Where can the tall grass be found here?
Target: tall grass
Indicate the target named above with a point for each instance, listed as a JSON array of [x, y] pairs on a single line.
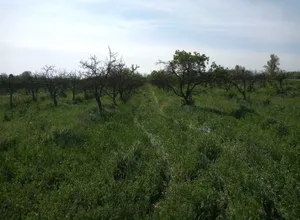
[[151, 158]]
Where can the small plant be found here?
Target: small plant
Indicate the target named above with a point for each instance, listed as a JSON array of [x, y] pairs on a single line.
[[282, 129], [7, 116], [266, 102]]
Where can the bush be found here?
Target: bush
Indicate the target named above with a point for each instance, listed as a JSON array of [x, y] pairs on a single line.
[[242, 111], [77, 100], [269, 122], [231, 95], [266, 102], [43, 98], [8, 115], [6, 144], [282, 129], [125, 163], [63, 95], [66, 138]]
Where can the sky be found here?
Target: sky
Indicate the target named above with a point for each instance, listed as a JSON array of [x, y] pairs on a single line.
[[35, 33]]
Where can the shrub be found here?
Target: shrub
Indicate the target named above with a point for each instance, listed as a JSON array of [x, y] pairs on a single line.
[[66, 138], [282, 129], [269, 122], [266, 102], [63, 95], [77, 100], [7, 116], [125, 163], [242, 111], [6, 144], [231, 95], [43, 124]]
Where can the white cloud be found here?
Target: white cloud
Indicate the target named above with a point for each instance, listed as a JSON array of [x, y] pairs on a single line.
[[53, 32]]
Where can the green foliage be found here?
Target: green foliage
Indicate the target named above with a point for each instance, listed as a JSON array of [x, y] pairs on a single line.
[[182, 74], [6, 144], [151, 158], [67, 138], [242, 111]]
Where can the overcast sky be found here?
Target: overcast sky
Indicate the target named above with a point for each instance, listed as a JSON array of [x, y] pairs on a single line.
[[63, 32]]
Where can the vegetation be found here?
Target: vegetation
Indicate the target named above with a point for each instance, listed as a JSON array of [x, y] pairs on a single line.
[[228, 151]]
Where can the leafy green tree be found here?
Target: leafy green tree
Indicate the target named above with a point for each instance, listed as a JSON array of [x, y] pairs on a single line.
[[280, 77], [221, 76], [160, 79], [274, 73], [186, 71], [272, 67]]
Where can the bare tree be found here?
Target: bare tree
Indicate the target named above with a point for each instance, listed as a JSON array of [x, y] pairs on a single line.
[[242, 80], [114, 80], [98, 71], [54, 82], [74, 78], [280, 77], [31, 83], [10, 86], [129, 80], [86, 85]]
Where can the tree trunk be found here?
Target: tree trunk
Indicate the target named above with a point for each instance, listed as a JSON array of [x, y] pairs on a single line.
[[27, 91], [264, 83], [73, 95], [244, 95], [99, 103], [188, 100], [11, 100], [114, 95], [121, 95], [281, 87], [114, 99], [33, 95], [244, 91], [85, 94], [54, 100]]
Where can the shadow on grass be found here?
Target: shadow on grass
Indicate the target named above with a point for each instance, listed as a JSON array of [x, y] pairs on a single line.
[[238, 113]]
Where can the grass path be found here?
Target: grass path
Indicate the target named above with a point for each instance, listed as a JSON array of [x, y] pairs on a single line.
[[155, 140], [161, 112]]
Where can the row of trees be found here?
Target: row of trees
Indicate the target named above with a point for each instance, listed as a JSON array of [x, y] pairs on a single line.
[[113, 78], [97, 78], [186, 71]]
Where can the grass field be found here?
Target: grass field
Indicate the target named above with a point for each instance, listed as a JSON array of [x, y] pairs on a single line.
[[151, 158]]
